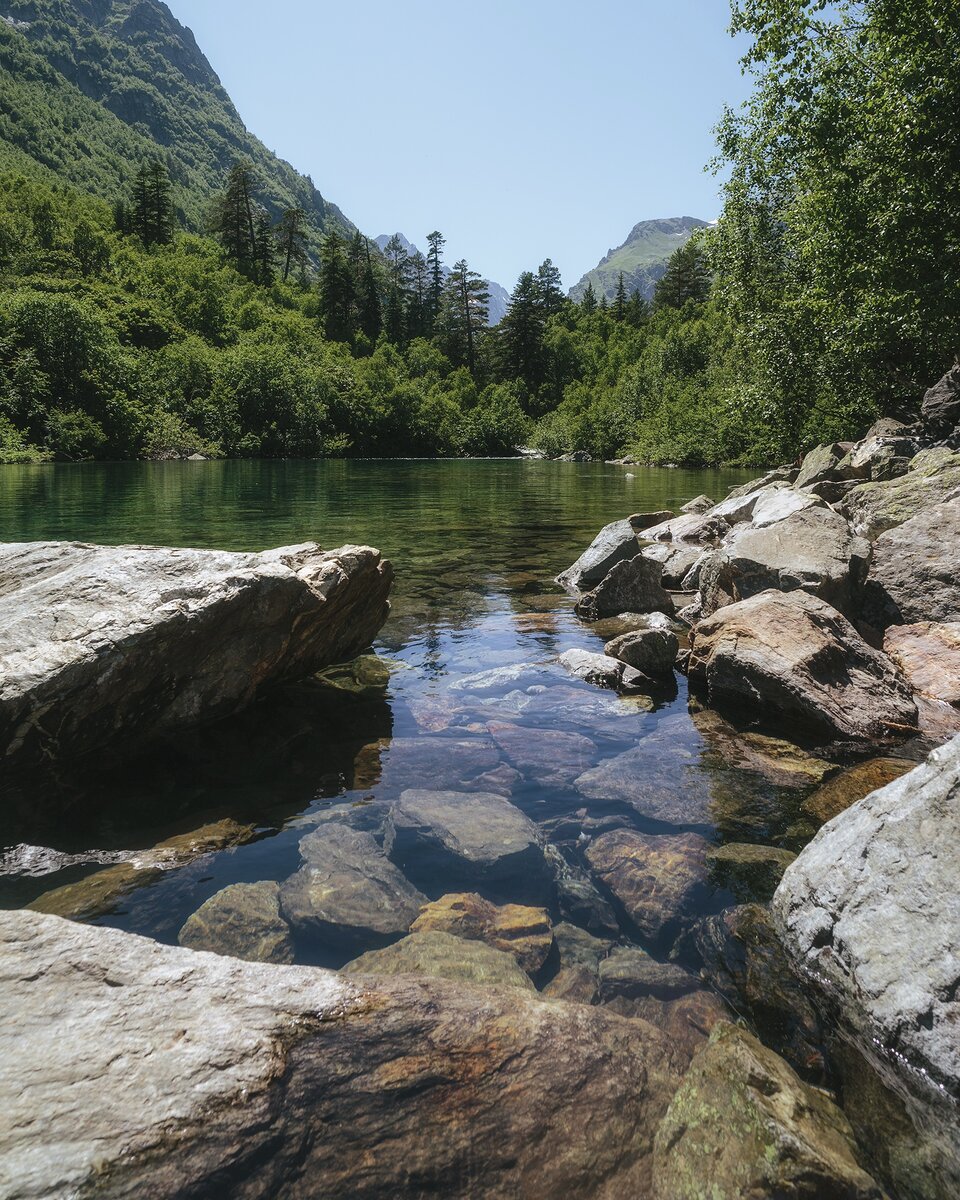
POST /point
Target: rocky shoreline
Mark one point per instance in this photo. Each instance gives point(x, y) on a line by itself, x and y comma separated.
point(581, 1005)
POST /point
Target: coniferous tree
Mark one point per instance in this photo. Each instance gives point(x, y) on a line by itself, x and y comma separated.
point(637, 310)
point(521, 333)
point(550, 288)
point(417, 306)
point(366, 289)
point(122, 220)
point(687, 277)
point(337, 293)
point(234, 219)
point(152, 213)
point(620, 300)
point(264, 248)
point(436, 242)
point(464, 315)
point(398, 274)
point(292, 240)
point(588, 302)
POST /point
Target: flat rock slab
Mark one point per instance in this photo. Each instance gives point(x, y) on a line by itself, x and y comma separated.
point(873, 508)
point(549, 757)
point(744, 1116)
point(661, 880)
point(444, 956)
point(793, 658)
point(631, 972)
point(131, 1069)
point(751, 871)
point(102, 647)
point(871, 912)
point(474, 839)
point(851, 785)
point(673, 793)
point(348, 892)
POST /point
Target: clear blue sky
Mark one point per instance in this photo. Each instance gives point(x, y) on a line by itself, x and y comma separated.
point(521, 129)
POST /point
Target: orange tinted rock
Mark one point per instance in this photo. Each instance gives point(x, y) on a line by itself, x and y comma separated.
point(524, 932)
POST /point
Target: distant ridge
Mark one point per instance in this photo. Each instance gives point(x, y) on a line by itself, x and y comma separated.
point(642, 257)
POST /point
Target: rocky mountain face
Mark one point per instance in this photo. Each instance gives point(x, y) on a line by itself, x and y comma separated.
point(642, 257)
point(499, 296)
point(89, 89)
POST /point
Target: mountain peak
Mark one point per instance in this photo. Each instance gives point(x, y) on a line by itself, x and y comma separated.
point(642, 257)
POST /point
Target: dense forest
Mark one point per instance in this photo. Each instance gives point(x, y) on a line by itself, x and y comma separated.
point(153, 321)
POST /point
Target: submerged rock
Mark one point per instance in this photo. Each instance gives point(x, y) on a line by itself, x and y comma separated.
point(631, 972)
point(347, 891)
point(837, 794)
point(104, 647)
point(752, 872)
point(478, 839)
point(600, 669)
point(99, 893)
point(794, 658)
point(871, 913)
point(514, 928)
point(133, 1069)
point(550, 757)
point(673, 794)
point(445, 956)
point(244, 921)
point(661, 880)
point(578, 948)
point(744, 1125)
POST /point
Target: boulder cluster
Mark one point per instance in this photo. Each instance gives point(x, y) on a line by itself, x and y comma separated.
point(824, 596)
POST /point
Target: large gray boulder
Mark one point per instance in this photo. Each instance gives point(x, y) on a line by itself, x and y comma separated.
point(102, 647)
point(790, 657)
point(811, 548)
point(915, 572)
point(614, 543)
point(347, 892)
point(870, 912)
point(873, 508)
point(130, 1069)
point(634, 585)
point(940, 411)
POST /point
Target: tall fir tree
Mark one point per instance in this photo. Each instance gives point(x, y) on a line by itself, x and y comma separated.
point(588, 301)
point(417, 305)
point(550, 288)
point(620, 301)
point(337, 293)
point(464, 315)
point(435, 243)
point(397, 258)
point(520, 333)
point(234, 220)
point(151, 216)
point(292, 240)
point(264, 248)
point(687, 277)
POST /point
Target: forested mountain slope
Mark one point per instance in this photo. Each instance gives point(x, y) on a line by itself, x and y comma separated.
point(91, 89)
point(642, 258)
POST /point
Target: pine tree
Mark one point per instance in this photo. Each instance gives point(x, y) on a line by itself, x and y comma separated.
point(588, 302)
point(397, 294)
point(292, 240)
point(521, 333)
point(122, 218)
point(550, 288)
point(637, 310)
point(464, 314)
point(264, 248)
point(687, 277)
point(368, 311)
point(436, 242)
point(417, 304)
point(620, 301)
point(151, 217)
point(337, 293)
point(234, 221)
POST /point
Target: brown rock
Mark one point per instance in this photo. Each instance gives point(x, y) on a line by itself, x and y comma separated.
point(133, 1069)
point(743, 1125)
point(98, 894)
point(929, 656)
point(791, 657)
point(661, 881)
point(576, 985)
point(514, 928)
point(849, 786)
point(751, 871)
point(242, 920)
point(444, 956)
